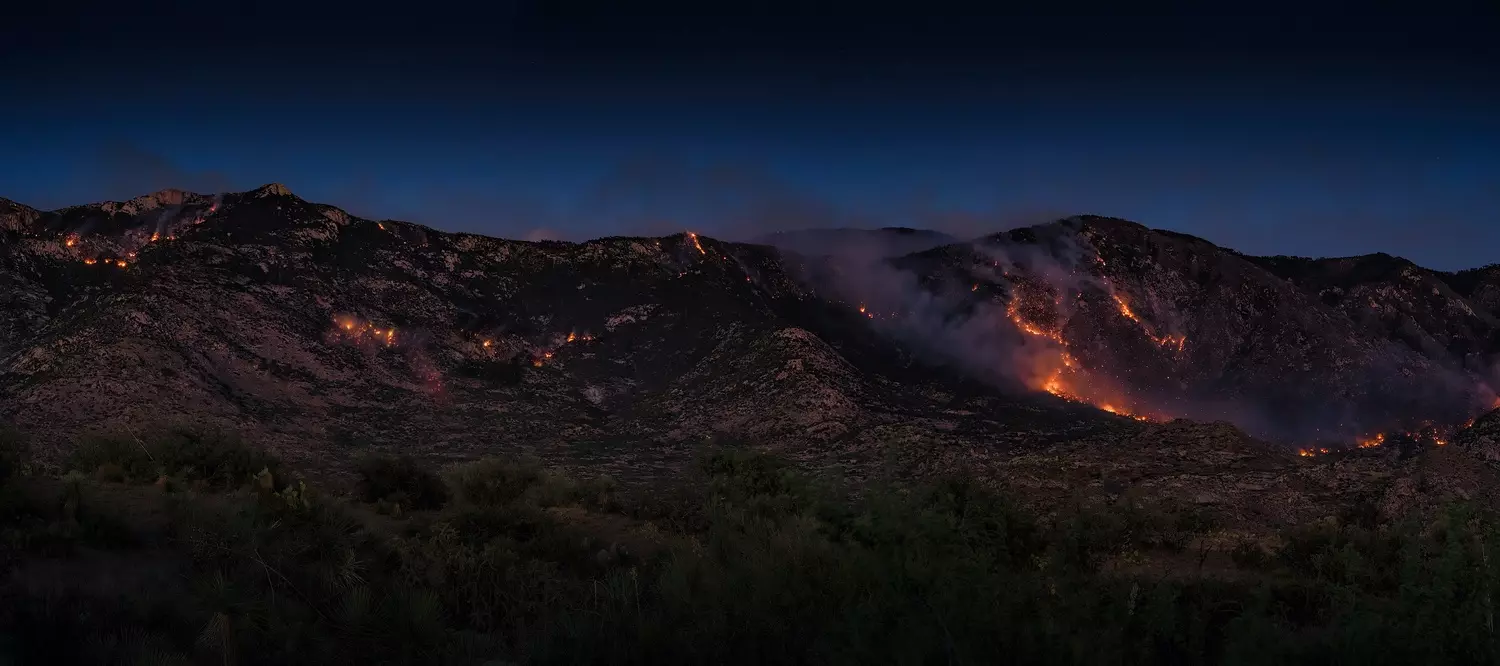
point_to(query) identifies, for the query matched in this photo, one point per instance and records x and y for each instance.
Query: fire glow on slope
(542, 355)
(358, 330)
(1058, 372)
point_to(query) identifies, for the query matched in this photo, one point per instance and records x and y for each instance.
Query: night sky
(1273, 134)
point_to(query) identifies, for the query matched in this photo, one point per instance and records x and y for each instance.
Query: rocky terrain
(1056, 358)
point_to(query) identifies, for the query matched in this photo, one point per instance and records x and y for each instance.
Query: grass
(505, 561)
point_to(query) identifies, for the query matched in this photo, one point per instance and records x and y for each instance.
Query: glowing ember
(1063, 376)
(487, 343)
(90, 262)
(121, 263)
(155, 236)
(358, 330)
(1177, 341)
(71, 241)
(694, 237)
(1125, 310)
(1372, 442)
(572, 336)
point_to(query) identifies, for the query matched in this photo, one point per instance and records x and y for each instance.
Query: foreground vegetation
(179, 547)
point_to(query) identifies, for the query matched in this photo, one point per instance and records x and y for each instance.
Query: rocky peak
(271, 190)
(15, 216)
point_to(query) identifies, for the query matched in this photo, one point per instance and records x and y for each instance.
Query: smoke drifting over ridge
(1072, 310)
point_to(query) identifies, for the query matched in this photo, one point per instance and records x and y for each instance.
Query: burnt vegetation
(179, 547)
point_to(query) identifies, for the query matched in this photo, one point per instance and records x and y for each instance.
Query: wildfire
(155, 236)
(121, 263)
(1065, 378)
(1178, 341)
(694, 237)
(90, 262)
(359, 330)
(70, 241)
(1125, 310)
(1013, 311)
(488, 343)
(1371, 442)
(546, 354)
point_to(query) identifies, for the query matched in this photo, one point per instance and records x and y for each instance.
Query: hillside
(322, 335)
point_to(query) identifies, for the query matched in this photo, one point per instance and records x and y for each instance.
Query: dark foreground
(176, 548)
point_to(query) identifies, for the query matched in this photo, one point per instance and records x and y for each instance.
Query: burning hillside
(242, 308)
(1157, 328)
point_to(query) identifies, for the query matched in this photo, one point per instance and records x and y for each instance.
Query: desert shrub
(220, 460)
(401, 481)
(494, 481)
(774, 566)
(13, 453)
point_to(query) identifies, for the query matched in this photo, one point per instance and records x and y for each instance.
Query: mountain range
(1090, 353)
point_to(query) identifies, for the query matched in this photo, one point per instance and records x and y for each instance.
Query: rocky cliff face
(323, 334)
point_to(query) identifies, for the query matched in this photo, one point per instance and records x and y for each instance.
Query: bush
(774, 567)
(400, 481)
(217, 459)
(13, 452)
(495, 481)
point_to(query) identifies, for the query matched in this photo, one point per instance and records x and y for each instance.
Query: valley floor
(184, 548)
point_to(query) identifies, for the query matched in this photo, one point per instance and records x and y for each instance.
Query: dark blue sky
(1292, 133)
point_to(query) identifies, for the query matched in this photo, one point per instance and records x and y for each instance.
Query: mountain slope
(1164, 325)
(315, 331)
(324, 334)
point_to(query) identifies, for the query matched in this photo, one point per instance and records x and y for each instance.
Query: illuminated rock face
(315, 331)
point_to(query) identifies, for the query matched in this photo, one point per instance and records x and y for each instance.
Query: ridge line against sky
(1267, 132)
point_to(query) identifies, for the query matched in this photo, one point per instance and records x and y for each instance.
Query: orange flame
(121, 263)
(694, 237)
(1178, 341)
(358, 329)
(1066, 378)
(70, 241)
(90, 262)
(1372, 442)
(1125, 309)
(155, 236)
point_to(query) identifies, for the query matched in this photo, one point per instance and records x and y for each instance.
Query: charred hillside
(322, 333)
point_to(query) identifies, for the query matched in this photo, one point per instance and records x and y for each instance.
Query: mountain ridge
(317, 330)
